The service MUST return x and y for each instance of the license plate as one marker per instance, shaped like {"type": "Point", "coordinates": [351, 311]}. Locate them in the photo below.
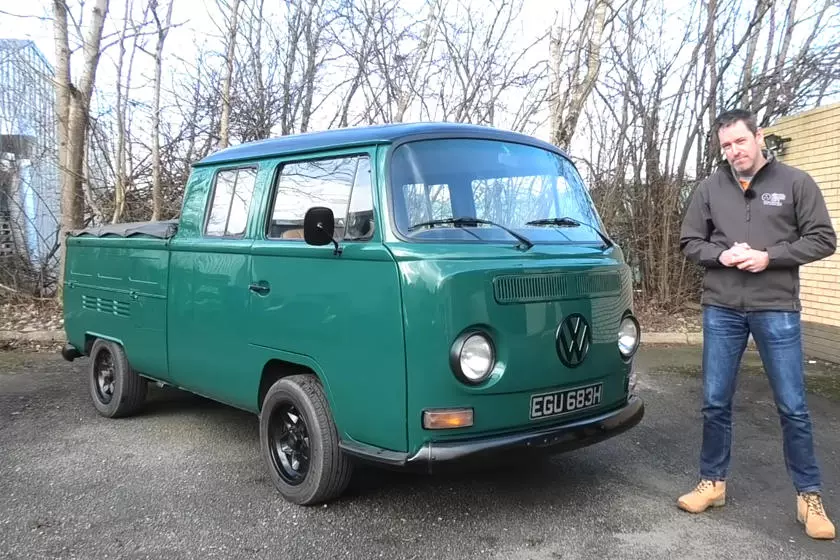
{"type": "Point", "coordinates": [566, 401]}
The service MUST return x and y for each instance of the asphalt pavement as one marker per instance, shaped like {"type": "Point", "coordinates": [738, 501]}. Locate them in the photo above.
{"type": "Point", "coordinates": [185, 480]}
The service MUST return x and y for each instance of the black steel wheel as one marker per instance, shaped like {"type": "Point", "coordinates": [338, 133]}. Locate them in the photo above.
{"type": "Point", "coordinates": [115, 388]}
{"type": "Point", "coordinates": [104, 375]}
{"type": "Point", "coordinates": [299, 442]}
{"type": "Point", "coordinates": [289, 443]}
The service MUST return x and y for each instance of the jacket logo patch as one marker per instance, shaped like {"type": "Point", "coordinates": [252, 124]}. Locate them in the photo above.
{"type": "Point", "coordinates": [772, 199]}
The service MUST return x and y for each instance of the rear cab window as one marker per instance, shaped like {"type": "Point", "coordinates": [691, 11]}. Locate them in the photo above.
{"type": "Point", "coordinates": [233, 191]}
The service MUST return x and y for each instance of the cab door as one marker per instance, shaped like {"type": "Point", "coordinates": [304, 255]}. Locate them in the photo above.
{"type": "Point", "coordinates": [338, 314]}
{"type": "Point", "coordinates": [209, 285]}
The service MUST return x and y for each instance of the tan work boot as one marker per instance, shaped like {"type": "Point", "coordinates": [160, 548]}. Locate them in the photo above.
{"type": "Point", "coordinates": [811, 513]}
{"type": "Point", "coordinates": [707, 494]}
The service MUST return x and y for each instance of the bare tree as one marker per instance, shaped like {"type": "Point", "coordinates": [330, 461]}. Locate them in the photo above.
{"type": "Point", "coordinates": [456, 61]}
{"type": "Point", "coordinates": [162, 31]}
{"type": "Point", "coordinates": [257, 107]}
{"type": "Point", "coordinates": [72, 108]}
{"type": "Point", "coordinates": [573, 83]}
{"type": "Point", "coordinates": [655, 101]}
{"type": "Point", "coordinates": [481, 68]}
{"type": "Point", "coordinates": [414, 69]}
{"type": "Point", "coordinates": [711, 68]}
{"type": "Point", "coordinates": [71, 214]}
{"type": "Point", "coordinates": [353, 32]}
{"type": "Point", "coordinates": [230, 41]}
{"type": "Point", "coordinates": [393, 54]}
{"type": "Point", "coordinates": [611, 82]}
{"type": "Point", "coordinates": [121, 117]}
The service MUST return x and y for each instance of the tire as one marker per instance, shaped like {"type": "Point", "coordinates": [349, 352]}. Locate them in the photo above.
{"type": "Point", "coordinates": [299, 442]}
{"type": "Point", "coordinates": [115, 387]}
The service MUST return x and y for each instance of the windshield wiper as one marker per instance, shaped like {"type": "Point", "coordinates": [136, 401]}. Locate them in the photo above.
{"type": "Point", "coordinates": [566, 221]}
{"type": "Point", "coordinates": [524, 242]}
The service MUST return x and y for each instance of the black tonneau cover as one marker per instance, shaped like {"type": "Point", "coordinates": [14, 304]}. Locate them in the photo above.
{"type": "Point", "coordinates": [161, 230]}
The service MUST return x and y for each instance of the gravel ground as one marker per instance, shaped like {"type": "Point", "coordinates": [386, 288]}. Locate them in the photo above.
{"type": "Point", "coordinates": [185, 480]}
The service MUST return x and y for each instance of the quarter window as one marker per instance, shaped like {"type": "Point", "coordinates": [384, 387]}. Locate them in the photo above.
{"type": "Point", "coordinates": [232, 195]}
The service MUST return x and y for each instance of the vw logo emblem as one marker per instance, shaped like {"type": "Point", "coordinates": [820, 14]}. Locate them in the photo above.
{"type": "Point", "coordinates": [573, 340]}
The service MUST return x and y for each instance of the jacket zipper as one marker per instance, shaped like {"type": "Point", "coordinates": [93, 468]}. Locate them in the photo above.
{"type": "Point", "coordinates": [747, 219]}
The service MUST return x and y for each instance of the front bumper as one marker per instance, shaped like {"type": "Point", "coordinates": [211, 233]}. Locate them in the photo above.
{"type": "Point", "coordinates": [554, 439]}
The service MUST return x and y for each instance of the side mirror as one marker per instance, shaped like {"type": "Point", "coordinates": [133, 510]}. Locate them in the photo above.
{"type": "Point", "coordinates": [319, 227]}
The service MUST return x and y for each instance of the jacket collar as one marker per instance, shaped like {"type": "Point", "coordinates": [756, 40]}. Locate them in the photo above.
{"type": "Point", "coordinates": [768, 155]}
{"type": "Point", "coordinates": [727, 170]}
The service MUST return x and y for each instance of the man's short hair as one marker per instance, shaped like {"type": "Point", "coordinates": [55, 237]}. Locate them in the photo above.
{"type": "Point", "coordinates": [728, 118]}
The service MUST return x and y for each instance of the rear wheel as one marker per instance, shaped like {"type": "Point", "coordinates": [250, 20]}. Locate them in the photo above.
{"type": "Point", "coordinates": [115, 387]}
{"type": "Point", "coordinates": [299, 442]}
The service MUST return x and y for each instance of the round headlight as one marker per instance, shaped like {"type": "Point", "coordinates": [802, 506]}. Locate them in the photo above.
{"type": "Point", "coordinates": [475, 358]}
{"type": "Point", "coordinates": [628, 336]}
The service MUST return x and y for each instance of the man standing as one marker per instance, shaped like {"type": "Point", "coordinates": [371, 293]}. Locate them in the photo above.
{"type": "Point", "coordinates": [751, 224]}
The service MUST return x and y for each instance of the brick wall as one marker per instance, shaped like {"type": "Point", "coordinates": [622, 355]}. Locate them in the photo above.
{"type": "Point", "coordinates": [814, 147]}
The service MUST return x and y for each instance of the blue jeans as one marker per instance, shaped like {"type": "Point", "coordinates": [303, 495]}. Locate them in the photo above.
{"type": "Point", "coordinates": [777, 335]}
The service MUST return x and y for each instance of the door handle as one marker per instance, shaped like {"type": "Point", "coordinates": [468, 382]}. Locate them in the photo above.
{"type": "Point", "coordinates": [259, 288]}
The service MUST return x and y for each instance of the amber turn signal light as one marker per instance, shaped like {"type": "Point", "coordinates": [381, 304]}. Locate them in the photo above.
{"type": "Point", "coordinates": [445, 419]}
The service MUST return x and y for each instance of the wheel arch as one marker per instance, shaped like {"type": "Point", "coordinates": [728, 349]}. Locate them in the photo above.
{"type": "Point", "coordinates": [92, 337]}
{"type": "Point", "coordinates": [277, 368]}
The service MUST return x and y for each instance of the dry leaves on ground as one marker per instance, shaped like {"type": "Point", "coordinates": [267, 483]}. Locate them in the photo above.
{"type": "Point", "coordinates": [686, 319]}
{"type": "Point", "coordinates": [42, 315]}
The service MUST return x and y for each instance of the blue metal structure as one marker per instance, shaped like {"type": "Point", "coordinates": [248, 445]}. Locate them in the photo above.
{"type": "Point", "coordinates": [29, 184]}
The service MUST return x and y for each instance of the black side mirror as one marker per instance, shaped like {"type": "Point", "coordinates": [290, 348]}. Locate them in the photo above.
{"type": "Point", "coordinates": [319, 227]}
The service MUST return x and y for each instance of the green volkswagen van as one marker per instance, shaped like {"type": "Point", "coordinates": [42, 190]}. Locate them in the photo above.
{"type": "Point", "coordinates": [411, 295]}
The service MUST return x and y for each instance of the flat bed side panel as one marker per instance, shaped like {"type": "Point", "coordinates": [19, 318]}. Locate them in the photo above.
{"type": "Point", "coordinates": [116, 288]}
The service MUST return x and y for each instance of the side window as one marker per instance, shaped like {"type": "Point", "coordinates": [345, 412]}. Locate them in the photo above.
{"type": "Point", "coordinates": [360, 213]}
{"type": "Point", "coordinates": [342, 184]}
{"type": "Point", "coordinates": [232, 196]}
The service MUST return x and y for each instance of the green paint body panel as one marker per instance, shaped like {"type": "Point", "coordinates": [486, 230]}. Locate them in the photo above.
{"type": "Point", "coordinates": [117, 288]}
{"type": "Point", "coordinates": [375, 324]}
{"type": "Point", "coordinates": [446, 293]}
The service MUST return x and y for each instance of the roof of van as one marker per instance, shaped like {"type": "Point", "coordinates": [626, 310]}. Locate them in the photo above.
{"type": "Point", "coordinates": [363, 135]}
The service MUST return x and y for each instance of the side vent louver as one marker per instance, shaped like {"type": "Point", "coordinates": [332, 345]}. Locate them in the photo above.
{"type": "Point", "coordinates": [103, 305]}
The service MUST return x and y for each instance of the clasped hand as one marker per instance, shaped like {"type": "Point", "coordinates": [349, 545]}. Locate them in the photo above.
{"type": "Point", "coordinates": [745, 258]}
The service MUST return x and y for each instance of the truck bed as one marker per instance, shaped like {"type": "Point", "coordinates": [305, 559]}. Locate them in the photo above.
{"type": "Point", "coordinates": [116, 287]}
{"type": "Point", "coordinates": [157, 230]}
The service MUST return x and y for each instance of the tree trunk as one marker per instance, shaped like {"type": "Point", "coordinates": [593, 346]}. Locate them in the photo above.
{"type": "Point", "coordinates": [747, 99]}
{"type": "Point", "coordinates": [312, 38]}
{"type": "Point", "coordinates": [790, 22]}
{"type": "Point", "coordinates": [696, 129]}
{"type": "Point", "coordinates": [72, 107]}
{"type": "Point", "coordinates": [119, 173]}
{"type": "Point", "coordinates": [157, 197]}
{"type": "Point", "coordinates": [71, 207]}
{"type": "Point", "coordinates": [294, 26]}
{"type": "Point", "coordinates": [711, 65]}
{"type": "Point", "coordinates": [264, 106]}
{"type": "Point", "coordinates": [423, 51]}
{"type": "Point", "coordinates": [564, 116]}
{"type": "Point", "coordinates": [224, 124]}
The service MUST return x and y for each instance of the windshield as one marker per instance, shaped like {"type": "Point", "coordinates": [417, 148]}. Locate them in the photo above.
{"type": "Point", "coordinates": [506, 183]}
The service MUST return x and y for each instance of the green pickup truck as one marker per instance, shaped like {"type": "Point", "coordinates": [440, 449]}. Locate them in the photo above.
{"type": "Point", "coordinates": [412, 295]}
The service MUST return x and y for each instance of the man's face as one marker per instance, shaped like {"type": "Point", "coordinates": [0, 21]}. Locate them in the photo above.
{"type": "Point", "coordinates": [741, 147]}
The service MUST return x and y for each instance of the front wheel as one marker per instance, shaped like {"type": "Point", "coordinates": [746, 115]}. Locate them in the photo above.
{"type": "Point", "coordinates": [299, 442]}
